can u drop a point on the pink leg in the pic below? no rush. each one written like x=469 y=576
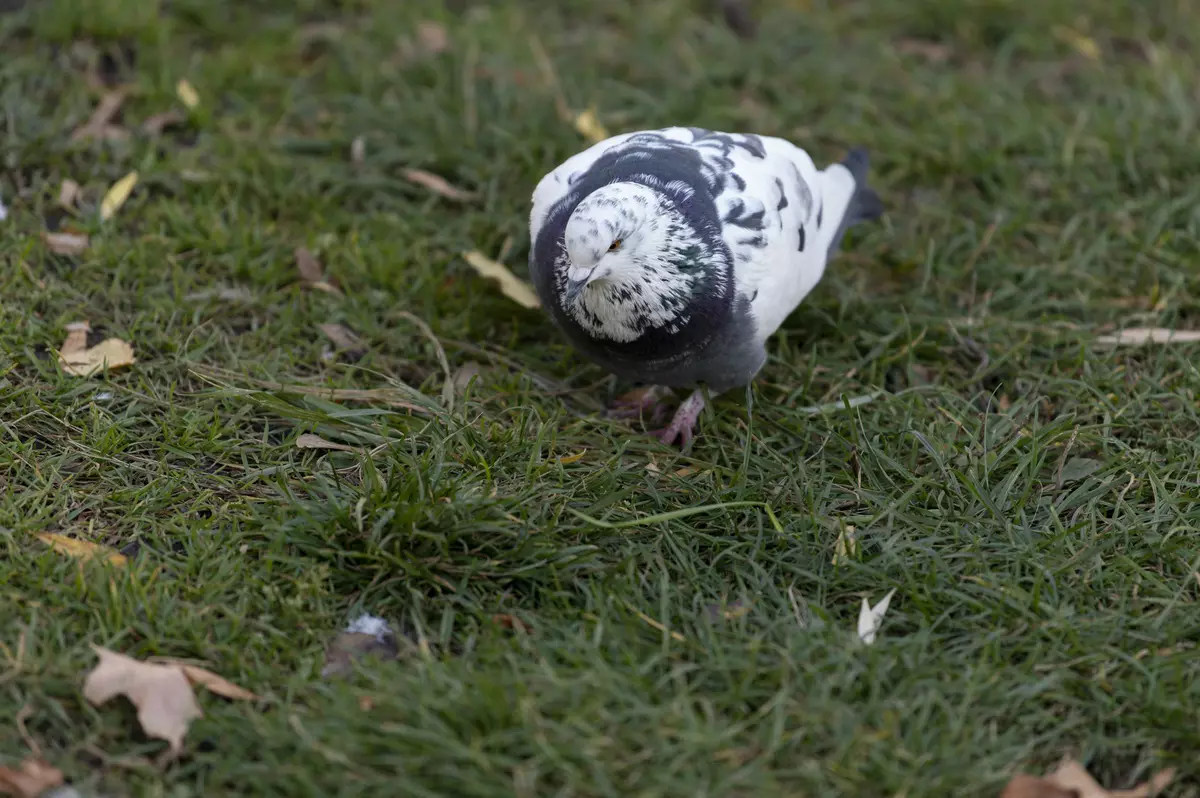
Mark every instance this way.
x=646 y=402
x=683 y=426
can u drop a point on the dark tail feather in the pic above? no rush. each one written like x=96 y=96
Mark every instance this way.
x=865 y=205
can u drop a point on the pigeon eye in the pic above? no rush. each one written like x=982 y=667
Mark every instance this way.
x=615 y=246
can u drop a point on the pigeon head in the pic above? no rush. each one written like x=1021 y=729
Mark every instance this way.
x=632 y=262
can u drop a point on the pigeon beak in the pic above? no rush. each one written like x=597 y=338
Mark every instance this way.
x=575 y=286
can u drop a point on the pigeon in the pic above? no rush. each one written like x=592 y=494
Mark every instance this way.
x=669 y=257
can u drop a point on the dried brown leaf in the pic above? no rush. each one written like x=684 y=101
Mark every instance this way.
x=438 y=185
x=312 y=273
x=1071 y=780
x=99 y=124
x=510 y=285
x=29 y=779
x=162 y=694
x=463 y=376
x=512 y=622
x=66 y=243
x=311 y=441
x=1137 y=336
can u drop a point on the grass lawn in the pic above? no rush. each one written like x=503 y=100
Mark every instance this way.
x=1029 y=493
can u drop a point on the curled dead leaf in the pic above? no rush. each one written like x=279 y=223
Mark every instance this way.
x=66 y=243
x=343 y=337
x=202 y=677
x=438 y=185
x=846 y=545
x=510 y=285
x=29 y=779
x=81 y=549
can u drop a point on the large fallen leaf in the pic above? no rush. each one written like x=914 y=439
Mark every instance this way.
x=162 y=694
x=589 y=126
x=79 y=360
x=1071 y=780
x=80 y=549
x=513 y=287
x=436 y=184
x=312 y=273
x=1136 y=336
x=871 y=618
x=66 y=243
x=116 y=196
x=29 y=779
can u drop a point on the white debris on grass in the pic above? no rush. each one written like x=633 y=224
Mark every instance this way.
x=870 y=618
x=368 y=624
x=3 y=211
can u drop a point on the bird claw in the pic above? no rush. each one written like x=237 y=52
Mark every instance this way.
x=646 y=402
x=683 y=425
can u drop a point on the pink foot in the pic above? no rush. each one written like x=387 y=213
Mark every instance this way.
x=644 y=402
x=683 y=426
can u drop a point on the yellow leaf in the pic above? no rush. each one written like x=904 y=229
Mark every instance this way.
x=80 y=549
x=514 y=288
x=117 y=195
x=187 y=93
x=589 y=126
x=572 y=458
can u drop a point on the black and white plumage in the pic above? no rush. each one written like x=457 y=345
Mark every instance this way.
x=669 y=257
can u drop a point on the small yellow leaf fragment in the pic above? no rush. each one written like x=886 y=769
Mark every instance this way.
x=572 y=458
x=116 y=196
x=588 y=125
x=513 y=287
x=80 y=549
x=846 y=545
x=162 y=694
x=1084 y=45
x=311 y=441
x=187 y=93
